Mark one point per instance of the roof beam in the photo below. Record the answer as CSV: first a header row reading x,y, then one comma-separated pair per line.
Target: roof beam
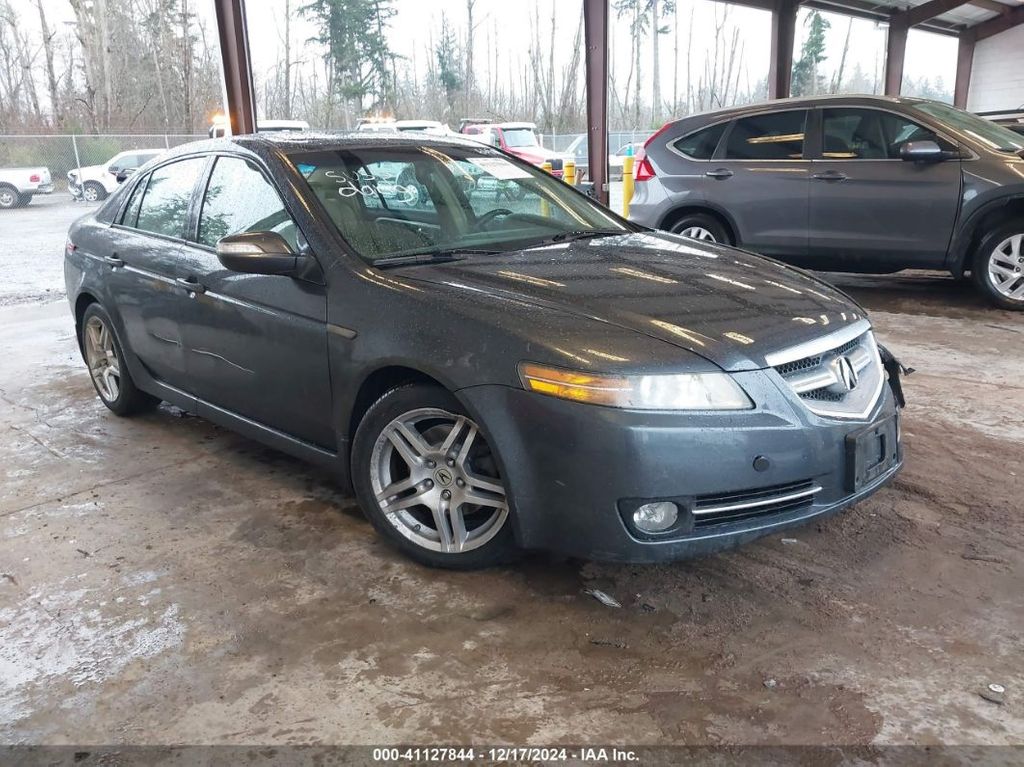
x,y
992,5
999,24
927,11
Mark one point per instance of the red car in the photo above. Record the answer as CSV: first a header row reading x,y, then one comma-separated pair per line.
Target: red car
x,y
519,139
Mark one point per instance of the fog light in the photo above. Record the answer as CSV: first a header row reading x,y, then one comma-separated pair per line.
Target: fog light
x,y
656,517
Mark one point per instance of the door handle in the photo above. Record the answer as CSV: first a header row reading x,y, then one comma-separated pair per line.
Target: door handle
x,y
720,173
191,284
829,175
113,261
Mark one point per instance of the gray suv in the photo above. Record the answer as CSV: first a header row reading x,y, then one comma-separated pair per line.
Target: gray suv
x,y
850,183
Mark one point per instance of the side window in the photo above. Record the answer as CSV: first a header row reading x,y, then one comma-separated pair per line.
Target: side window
x,y
702,144
131,210
164,208
778,136
869,134
240,199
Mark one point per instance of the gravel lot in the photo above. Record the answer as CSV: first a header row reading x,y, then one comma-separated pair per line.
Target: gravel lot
x,y
165,581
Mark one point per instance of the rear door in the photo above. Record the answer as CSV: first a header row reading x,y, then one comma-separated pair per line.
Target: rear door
x,y
870,207
759,177
257,344
146,267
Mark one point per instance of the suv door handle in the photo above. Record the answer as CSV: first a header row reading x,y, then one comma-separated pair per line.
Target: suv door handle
x,y
191,284
829,175
113,261
720,173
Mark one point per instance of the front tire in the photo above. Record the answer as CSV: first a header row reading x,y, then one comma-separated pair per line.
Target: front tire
x,y
429,482
998,269
9,197
93,192
103,356
701,226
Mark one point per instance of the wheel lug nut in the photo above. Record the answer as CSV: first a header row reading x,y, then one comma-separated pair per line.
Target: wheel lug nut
x,y
460,482
451,461
428,484
446,494
431,464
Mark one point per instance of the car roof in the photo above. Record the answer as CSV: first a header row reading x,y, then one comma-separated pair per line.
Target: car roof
x,y
796,102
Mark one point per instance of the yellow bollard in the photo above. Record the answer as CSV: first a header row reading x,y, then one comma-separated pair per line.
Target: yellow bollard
x,y
569,172
545,207
627,183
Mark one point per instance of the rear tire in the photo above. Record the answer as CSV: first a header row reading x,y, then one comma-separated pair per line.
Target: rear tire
x,y
701,226
428,480
105,360
998,268
9,197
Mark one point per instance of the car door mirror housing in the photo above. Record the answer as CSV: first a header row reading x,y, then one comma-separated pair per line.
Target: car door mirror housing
x,y
259,253
921,151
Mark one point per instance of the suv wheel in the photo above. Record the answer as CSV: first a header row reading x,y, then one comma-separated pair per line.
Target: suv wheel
x,y
93,192
427,478
105,360
700,226
9,197
998,268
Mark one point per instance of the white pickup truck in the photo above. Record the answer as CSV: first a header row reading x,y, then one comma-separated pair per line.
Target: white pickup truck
x,y
18,185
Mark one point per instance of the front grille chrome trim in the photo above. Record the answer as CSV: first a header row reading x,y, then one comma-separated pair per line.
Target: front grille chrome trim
x,y
773,500
818,346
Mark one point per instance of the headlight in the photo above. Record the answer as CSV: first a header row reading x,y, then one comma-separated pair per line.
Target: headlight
x,y
682,391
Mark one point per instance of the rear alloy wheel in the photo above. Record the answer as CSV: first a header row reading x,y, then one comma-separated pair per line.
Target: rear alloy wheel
x,y
429,481
93,192
700,226
9,197
998,269
105,361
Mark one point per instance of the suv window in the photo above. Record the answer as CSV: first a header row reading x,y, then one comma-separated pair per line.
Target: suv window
x,y
778,136
164,208
870,134
240,199
702,144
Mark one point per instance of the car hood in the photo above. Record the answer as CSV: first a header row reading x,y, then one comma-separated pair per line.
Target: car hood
x,y
536,154
91,171
726,305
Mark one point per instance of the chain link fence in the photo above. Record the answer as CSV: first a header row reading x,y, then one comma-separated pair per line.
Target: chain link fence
x,y
62,153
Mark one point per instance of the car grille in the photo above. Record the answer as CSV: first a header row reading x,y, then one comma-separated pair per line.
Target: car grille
x,y
839,375
721,508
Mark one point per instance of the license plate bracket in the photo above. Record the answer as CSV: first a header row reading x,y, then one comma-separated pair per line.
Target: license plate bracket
x,y
871,452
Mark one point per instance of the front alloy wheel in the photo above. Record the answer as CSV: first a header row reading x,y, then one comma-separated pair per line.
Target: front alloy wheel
x,y
429,480
998,269
93,192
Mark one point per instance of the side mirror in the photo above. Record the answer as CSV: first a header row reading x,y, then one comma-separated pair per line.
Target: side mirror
x,y
123,174
921,151
259,253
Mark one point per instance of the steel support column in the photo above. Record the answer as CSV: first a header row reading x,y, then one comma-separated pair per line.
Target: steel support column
x,y
595,28
236,64
964,62
780,67
895,55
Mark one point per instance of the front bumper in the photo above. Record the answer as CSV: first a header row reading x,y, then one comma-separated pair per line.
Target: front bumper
x,y
573,468
75,189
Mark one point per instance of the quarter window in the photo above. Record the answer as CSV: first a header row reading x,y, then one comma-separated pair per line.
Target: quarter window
x,y
702,144
131,210
868,134
778,136
164,208
240,199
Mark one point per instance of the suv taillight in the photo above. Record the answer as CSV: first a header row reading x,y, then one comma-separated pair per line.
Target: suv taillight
x,y
69,248
34,178
644,171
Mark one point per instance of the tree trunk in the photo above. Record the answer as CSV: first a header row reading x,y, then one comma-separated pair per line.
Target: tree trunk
x,y
655,64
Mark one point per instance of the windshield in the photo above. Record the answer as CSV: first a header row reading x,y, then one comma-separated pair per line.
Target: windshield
x,y
391,202
988,133
520,137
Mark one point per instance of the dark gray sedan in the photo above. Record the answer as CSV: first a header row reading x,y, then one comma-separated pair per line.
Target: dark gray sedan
x,y
491,360
846,183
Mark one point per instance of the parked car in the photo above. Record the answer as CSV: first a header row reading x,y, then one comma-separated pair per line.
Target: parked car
x,y
578,149
429,127
19,185
488,376
847,183
95,182
519,139
221,126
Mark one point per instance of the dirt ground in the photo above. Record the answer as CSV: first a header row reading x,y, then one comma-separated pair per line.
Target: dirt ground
x,y
166,581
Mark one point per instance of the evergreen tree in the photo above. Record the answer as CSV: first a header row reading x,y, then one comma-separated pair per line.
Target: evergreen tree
x,y
806,79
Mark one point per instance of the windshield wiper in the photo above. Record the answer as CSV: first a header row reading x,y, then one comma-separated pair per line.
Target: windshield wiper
x,y
584,234
433,257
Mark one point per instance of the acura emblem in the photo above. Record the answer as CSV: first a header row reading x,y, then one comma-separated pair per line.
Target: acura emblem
x,y
846,374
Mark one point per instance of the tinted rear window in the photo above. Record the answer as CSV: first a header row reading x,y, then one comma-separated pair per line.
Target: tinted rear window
x,y
778,136
702,144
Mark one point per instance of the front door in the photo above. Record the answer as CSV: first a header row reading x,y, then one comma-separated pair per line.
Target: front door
x,y
257,345
759,176
870,206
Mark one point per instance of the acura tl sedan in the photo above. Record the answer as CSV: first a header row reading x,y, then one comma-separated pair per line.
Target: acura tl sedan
x,y
489,372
